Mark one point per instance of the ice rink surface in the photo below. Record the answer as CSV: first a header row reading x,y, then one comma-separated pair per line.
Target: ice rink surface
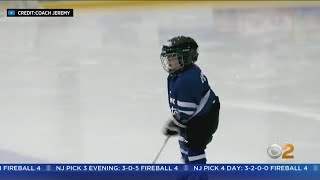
x,y
91,89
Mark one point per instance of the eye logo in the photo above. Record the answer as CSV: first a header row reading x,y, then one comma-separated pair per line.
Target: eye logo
x,y
48,168
186,167
275,151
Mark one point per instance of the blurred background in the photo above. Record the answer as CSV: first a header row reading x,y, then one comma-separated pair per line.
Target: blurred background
x,y
91,88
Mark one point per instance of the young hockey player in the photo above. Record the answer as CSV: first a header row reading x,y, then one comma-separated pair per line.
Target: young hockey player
x,y
194,106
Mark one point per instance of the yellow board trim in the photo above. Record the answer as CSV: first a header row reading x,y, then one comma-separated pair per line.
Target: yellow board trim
x,y
151,4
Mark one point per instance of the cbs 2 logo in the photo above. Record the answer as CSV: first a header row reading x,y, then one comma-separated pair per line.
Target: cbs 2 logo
x,y
275,151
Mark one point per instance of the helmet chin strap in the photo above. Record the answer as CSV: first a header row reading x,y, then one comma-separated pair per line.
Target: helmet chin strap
x,y
176,73
185,67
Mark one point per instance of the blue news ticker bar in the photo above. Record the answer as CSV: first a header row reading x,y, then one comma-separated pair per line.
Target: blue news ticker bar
x,y
160,171
266,168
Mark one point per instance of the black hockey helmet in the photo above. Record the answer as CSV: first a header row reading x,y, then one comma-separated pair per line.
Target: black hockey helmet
x,y
181,50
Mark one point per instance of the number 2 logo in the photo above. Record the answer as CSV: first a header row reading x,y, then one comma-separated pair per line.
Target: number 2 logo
x,y
275,151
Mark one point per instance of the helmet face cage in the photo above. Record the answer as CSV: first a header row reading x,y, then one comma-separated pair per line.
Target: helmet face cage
x,y
172,62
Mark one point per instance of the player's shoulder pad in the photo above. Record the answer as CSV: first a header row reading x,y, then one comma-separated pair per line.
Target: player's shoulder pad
x,y
190,78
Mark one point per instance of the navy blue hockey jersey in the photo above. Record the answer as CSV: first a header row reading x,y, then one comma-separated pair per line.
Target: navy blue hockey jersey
x,y
189,94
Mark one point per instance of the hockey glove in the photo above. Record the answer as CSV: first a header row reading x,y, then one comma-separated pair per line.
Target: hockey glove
x,y
173,127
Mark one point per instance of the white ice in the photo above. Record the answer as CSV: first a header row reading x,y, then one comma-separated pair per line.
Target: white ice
x,y
91,89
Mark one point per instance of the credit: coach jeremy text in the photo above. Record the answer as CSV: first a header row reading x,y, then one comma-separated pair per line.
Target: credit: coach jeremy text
x,y
44,13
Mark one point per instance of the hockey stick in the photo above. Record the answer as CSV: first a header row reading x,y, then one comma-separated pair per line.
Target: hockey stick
x,y
164,144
